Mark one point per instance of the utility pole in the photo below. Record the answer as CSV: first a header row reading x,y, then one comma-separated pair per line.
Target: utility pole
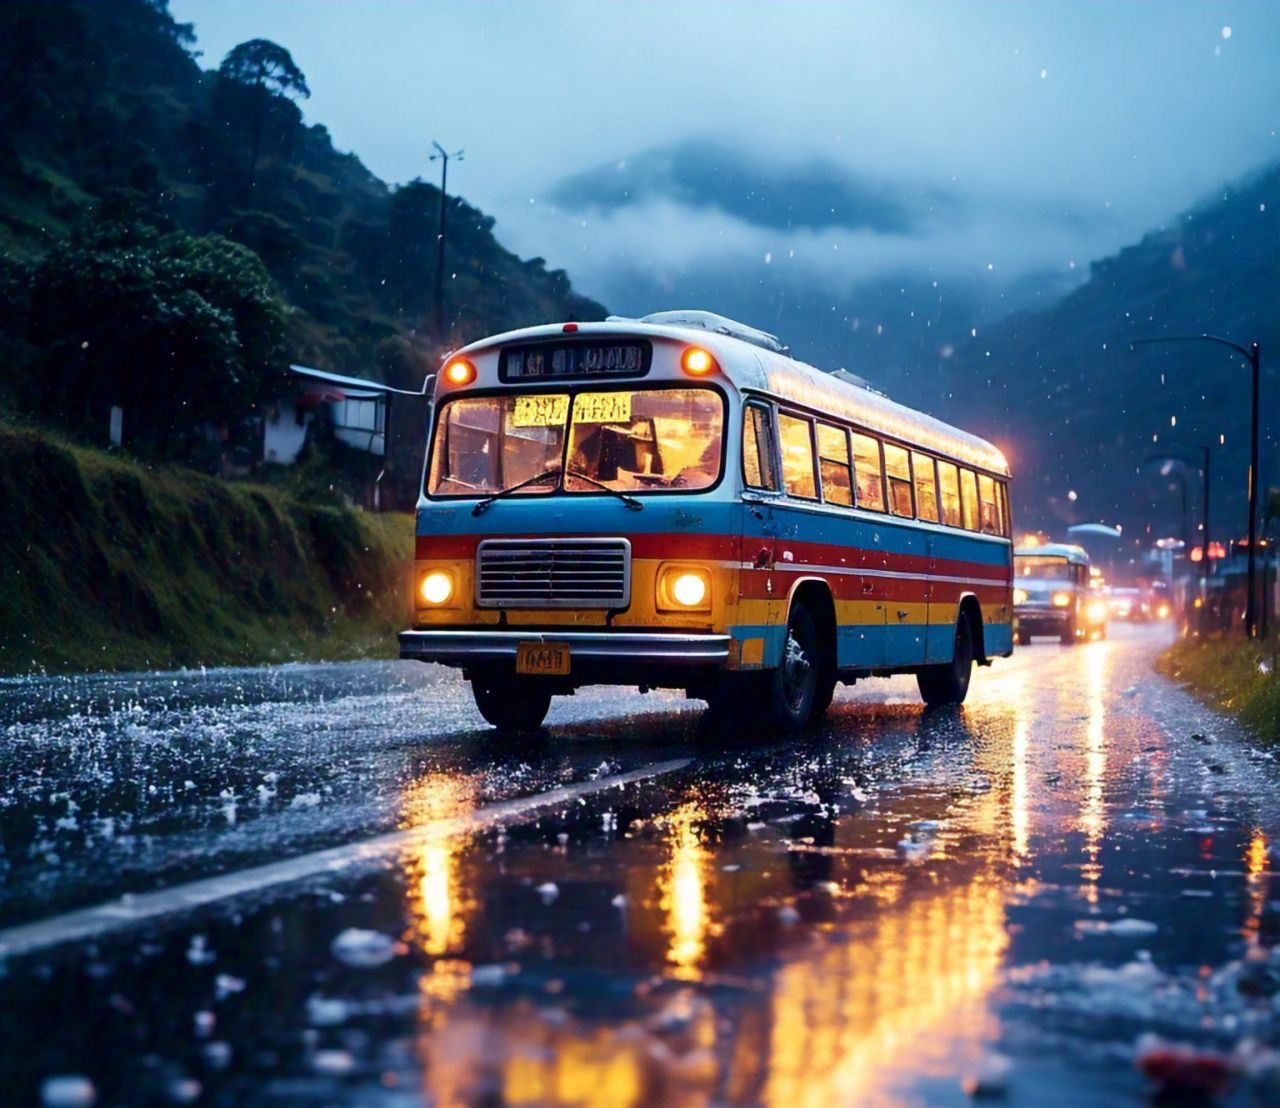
x,y
1253,355
443,157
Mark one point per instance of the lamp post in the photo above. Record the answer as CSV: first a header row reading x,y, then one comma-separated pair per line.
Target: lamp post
x,y
1253,355
443,157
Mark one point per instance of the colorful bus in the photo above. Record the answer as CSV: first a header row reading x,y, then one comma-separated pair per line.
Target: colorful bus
x,y
675,502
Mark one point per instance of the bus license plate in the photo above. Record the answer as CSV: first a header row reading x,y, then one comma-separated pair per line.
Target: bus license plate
x,y
542,657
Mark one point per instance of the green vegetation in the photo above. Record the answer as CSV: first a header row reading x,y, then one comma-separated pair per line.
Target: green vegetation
x,y
179,330
113,137
1232,675
106,564
171,237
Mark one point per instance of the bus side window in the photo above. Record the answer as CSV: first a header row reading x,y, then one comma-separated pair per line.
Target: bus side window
x,y
989,507
795,435
897,470
833,458
969,489
867,466
757,449
926,487
949,493
1006,528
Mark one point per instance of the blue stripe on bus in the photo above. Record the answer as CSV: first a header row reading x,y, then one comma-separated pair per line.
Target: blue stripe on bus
x,y
866,646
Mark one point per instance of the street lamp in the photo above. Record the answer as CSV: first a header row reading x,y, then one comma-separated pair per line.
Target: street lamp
x,y
1252,354
443,157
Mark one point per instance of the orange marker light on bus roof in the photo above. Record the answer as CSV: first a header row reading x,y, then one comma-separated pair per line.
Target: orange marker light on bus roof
x,y
459,372
697,362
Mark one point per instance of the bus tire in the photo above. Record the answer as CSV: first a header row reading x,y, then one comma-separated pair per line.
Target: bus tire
x,y
1024,637
789,691
948,683
823,694
1068,636
513,704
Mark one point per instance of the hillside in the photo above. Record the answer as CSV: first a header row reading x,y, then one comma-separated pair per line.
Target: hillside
x,y
164,567
106,115
1079,412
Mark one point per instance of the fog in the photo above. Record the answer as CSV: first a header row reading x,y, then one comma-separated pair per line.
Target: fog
x,y
989,142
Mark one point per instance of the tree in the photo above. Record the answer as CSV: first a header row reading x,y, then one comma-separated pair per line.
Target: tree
x,y
179,330
267,76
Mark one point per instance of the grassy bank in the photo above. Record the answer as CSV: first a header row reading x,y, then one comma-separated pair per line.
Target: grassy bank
x,y
107,564
1233,675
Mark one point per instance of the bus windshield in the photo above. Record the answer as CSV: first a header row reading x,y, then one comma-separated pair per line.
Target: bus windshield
x,y
638,440
1044,567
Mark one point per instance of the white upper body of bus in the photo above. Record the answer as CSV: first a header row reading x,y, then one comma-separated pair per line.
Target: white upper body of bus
x,y
748,360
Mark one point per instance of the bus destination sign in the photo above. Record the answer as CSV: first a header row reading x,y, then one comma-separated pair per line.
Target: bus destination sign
x,y
563,361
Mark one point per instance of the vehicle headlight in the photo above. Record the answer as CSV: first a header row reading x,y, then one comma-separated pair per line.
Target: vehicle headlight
x,y
1162,612
1019,596
684,589
436,587
1062,600
1097,612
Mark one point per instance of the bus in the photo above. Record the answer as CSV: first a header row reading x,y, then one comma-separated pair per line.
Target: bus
x,y
1055,595
675,502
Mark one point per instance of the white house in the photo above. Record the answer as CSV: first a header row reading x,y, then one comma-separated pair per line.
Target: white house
x,y
357,409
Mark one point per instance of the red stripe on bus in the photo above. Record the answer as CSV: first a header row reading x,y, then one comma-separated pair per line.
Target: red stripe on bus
x,y
806,557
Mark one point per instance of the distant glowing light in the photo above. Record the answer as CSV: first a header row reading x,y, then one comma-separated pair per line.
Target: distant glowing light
x,y
1043,74
1071,495
1226,32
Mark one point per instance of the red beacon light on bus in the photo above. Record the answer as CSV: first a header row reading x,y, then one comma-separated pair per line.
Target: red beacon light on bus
x,y
697,362
459,372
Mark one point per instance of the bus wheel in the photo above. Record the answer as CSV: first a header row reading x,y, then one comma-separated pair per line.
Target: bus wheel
x,y
790,690
949,683
823,695
1024,638
1068,637
513,703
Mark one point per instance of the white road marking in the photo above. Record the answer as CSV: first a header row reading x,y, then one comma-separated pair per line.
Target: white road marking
x,y
129,911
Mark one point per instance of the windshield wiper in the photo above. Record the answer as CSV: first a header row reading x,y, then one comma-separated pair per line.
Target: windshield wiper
x,y
630,501
535,479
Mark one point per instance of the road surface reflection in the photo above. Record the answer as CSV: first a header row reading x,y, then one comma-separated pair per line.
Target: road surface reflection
x,y
861,916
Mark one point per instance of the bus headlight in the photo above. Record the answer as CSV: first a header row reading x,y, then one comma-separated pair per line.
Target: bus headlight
x,y
1019,596
684,589
1062,600
1096,612
436,587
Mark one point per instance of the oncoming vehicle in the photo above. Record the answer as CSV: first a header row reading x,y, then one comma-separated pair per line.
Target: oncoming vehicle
x,y
1131,604
1052,596
675,502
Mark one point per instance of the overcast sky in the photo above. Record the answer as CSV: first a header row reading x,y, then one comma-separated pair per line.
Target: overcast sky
x,y
1058,131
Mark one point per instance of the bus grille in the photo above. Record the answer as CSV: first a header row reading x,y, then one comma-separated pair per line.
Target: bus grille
x,y
553,573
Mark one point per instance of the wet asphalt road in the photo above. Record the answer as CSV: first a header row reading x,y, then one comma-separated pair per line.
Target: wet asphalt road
x,y
874,913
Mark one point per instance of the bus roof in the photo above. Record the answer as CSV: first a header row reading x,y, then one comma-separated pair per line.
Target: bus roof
x,y
1076,555
753,366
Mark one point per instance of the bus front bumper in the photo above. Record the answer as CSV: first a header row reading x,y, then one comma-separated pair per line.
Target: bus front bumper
x,y
644,648
1040,621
